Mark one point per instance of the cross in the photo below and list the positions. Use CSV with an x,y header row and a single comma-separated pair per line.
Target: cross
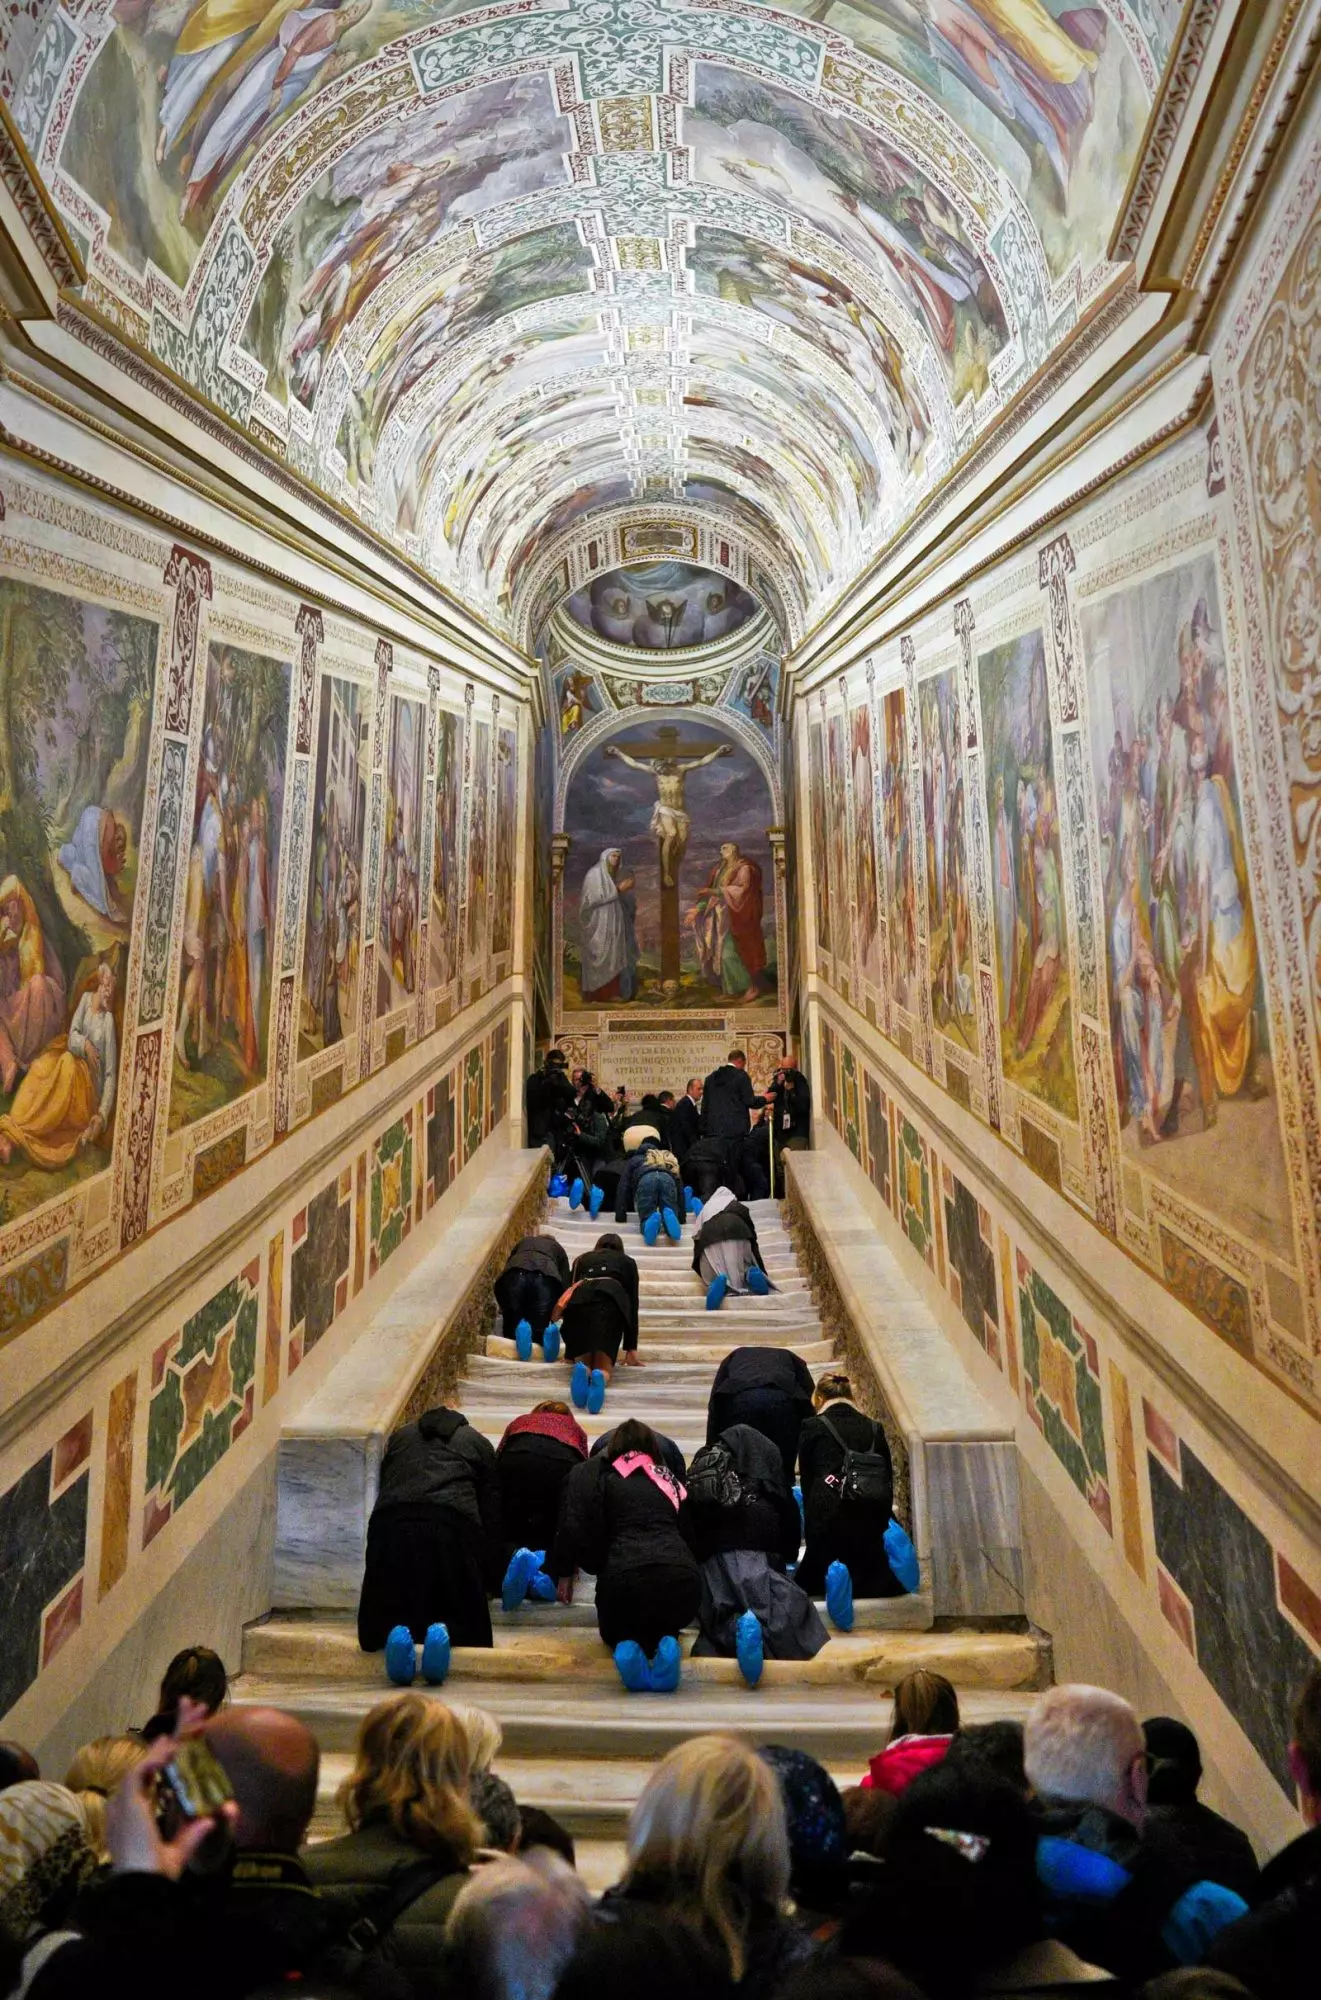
x,y
669,761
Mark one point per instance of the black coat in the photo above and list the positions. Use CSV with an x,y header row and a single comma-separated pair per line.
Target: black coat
x,y
351,1876
820,1458
766,1519
609,1523
670,1452
752,1156
685,1125
616,1264
1273,1950
705,1168
1222,1851
441,1461
546,1092
544,1254
760,1368
727,1098
794,1097
731,1225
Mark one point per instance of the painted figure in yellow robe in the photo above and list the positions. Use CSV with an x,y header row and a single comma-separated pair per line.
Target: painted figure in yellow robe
x,y
67,1099
1220,970
32,985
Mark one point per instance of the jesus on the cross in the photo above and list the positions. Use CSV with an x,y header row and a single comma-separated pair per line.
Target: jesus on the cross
x,y
669,821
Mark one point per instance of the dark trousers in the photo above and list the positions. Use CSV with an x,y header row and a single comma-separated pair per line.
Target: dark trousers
x,y
648,1603
528,1295
855,1538
532,1475
594,1327
423,1568
770,1411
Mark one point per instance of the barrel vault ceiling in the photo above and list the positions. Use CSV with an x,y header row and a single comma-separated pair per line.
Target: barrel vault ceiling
x,y
495,280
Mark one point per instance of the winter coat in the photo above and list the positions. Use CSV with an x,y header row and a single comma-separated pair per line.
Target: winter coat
x,y
441,1461
765,1519
648,1159
794,1097
731,1223
616,1264
609,1523
542,1254
351,1876
1273,1949
1131,1902
547,1424
760,1368
727,1098
547,1092
1222,1851
705,1168
821,1459
670,1453
685,1126
893,1769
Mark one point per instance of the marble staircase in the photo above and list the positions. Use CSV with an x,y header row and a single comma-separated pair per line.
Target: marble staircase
x,y
574,1742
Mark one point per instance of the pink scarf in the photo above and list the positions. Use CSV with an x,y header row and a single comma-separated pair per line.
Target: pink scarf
x,y
660,1475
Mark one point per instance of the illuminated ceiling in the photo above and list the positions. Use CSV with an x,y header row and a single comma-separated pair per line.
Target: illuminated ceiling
x,y
493,279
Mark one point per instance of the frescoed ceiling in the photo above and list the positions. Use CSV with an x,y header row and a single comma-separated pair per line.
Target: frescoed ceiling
x,y
488,277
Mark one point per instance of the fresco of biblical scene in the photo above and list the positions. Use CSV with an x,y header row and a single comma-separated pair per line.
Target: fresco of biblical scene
x,y
479,857
76,687
446,881
897,838
825,313
1027,875
543,821
506,826
864,843
1047,90
837,826
424,332
755,690
570,507
661,605
233,868
334,881
389,197
577,697
949,905
402,890
668,897
1188,1015
722,359
752,138
816,799
777,477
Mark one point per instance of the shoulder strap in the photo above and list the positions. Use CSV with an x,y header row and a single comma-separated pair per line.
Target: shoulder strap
x,y
404,1888
848,1449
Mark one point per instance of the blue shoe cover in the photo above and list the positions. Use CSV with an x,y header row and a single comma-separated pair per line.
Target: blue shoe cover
x,y
594,1201
559,1185
579,1383
715,1292
436,1655
523,1340
688,1196
401,1657
550,1341
576,1194
523,1566
902,1557
651,1228
839,1597
758,1283
694,1207
631,1665
749,1646
665,1665
673,1226
595,1393
542,1588
798,1496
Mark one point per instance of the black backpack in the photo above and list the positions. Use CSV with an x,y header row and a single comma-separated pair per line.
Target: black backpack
x,y
713,1479
865,1479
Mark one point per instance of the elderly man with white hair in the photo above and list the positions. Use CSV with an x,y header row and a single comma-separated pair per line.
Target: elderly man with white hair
x,y
1118,1888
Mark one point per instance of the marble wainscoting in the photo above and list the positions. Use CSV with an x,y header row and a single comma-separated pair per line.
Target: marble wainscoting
x,y
956,1470
408,1360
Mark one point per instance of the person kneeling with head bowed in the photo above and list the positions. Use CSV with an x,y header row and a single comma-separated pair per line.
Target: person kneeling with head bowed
x,y
625,1519
726,1254
536,1455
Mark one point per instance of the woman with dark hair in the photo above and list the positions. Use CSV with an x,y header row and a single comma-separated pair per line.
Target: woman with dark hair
x,y
624,1518
197,1672
536,1272
536,1455
594,1318
926,1720
609,1259
745,1531
845,1536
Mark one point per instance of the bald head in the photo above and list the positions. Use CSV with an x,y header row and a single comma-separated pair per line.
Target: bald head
x,y
1086,1745
271,1759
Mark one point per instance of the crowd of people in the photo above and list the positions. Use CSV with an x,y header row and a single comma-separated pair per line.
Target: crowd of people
x,y
1066,1852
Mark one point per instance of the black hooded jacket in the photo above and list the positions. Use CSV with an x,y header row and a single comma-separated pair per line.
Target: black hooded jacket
x,y
441,1461
766,1519
609,1524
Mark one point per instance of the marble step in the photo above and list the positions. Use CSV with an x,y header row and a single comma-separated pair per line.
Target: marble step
x,y
326,1651
578,1725
487,1373
667,1350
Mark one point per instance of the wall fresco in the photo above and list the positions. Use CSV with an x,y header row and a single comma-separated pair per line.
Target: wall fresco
x,y
334,887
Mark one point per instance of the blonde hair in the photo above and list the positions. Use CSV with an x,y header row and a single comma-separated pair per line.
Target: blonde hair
x,y
413,1768
97,1771
832,1389
709,1832
485,1735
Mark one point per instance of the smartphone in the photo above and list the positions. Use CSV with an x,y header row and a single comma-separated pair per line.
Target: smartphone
x,y
196,1779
